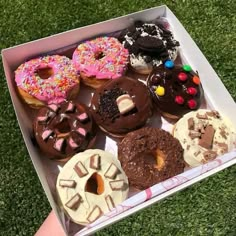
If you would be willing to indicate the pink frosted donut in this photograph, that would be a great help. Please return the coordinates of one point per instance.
(100, 59)
(47, 80)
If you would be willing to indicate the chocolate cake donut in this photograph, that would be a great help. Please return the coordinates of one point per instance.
(176, 89)
(149, 156)
(62, 130)
(121, 105)
(148, 44)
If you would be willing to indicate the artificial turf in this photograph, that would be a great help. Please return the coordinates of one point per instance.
(207, 208)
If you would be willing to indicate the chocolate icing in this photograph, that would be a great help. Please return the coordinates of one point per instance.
(64, 126)
(106, 112)
(168, 78)
(151, 41)
(135, 153)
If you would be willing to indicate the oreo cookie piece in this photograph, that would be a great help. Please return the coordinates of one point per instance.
(148, 44)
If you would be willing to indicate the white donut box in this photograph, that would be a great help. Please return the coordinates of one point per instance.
(48, 170)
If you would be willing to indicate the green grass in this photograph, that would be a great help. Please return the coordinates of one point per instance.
(207, 208)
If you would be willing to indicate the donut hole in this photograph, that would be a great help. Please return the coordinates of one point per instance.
(155, 158)
(63, 127)
(44, 73)
(99, 55)
(95, 184)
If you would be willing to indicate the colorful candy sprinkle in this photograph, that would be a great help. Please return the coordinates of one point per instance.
(187, 68)
(160, 91)
(169, 64)
(192, 91)
(179, 100)
(182, 76)
(192, 103)
(196, 80)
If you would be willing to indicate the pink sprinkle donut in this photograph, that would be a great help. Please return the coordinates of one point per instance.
(47, 80)
(100, 59)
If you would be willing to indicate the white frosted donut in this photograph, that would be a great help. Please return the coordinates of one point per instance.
(204, 135)
(90, 184)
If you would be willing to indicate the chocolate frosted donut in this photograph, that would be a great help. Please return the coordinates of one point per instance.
(148, 44)
(149, 156)
(121, 105)
(176, 89)
(65, 129)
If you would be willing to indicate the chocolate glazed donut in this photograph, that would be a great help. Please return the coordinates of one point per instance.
(65, 129)
(149, 156)
(176, 89)
(121, 105)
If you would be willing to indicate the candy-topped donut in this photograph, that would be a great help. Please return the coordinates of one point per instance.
(176, 89)
(99, 60)
(47, 80)
(149, 44)
(65, 129)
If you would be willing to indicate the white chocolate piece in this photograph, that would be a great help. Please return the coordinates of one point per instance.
(111, 171)
(107, 200)
(125, 103)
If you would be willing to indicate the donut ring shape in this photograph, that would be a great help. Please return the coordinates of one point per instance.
(81, 204)
(65, 129)
(54, 89)
(149, 156)
(104, 58)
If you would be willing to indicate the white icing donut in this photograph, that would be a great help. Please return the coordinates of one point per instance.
(204, 135)
(90, 184)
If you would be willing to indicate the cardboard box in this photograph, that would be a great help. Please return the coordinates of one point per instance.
(64, 43)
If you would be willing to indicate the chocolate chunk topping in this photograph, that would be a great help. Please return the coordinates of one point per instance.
(117, 184)
(74, 202)
(95, 162)
(67, 183)
(94, 214)
(125, 103)
(194, 134)
(150, 44)
(223, 133)
(202, 116)
(190, 123)
(209, 155)
(109, 202)
(215, 114)
(80, 169)
(107, 103)
(207, 138)
(111, 171)
(223, 147)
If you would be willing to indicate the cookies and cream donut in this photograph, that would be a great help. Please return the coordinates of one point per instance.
(176, 89)
(46, 80)
(204, 135)
(150, 155)
(121, 105)
(61, 130)
(90, 184)
(100, 60)
(149, 44)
